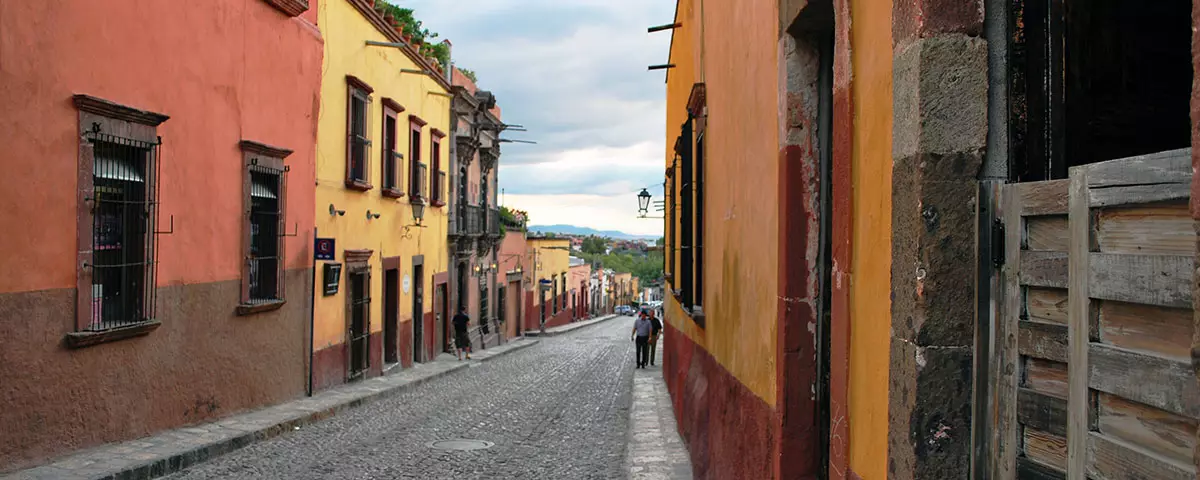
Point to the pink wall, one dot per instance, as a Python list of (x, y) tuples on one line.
[(214, 67)]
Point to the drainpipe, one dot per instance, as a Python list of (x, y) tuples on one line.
[(312, 316)]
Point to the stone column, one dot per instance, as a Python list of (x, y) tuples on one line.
[(939, 133)]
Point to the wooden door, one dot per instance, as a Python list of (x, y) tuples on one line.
[(1093, 344)]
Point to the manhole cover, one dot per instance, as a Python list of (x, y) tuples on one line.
[(461, 445)]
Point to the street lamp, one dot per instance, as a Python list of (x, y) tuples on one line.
[(643, 202)]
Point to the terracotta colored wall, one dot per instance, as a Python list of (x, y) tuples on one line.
[(231, 74), (224, 71), (741, 270), (346, 30), (870, 270)]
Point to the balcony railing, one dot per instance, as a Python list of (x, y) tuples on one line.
[(419, 183), (438, 197), (493, 222), (470, 220)]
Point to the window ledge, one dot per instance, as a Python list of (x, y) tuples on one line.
[(87, 339), (253, 308), (392, 193), (291, 7), (438, 203), (358, 185)]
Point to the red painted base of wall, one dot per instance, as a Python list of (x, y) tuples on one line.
[(406, 346), (432, 345), (329, 367), (728, 430), (559, 319)]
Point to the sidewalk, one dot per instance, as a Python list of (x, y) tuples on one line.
[(655, 451), (175, 450), (570, 327)]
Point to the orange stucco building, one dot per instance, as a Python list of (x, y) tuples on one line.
[(836, 246), (159, 258)]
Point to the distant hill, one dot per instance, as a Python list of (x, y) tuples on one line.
[(574, 230)]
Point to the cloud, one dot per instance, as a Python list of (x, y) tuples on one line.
[(574, 74)]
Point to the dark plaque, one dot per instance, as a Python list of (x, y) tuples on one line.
[(333, 274)]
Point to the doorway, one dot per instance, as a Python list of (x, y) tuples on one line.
[(418, 316), (391, 315), (359, 325), (441, 303)]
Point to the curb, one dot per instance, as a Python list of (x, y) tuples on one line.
[(573, 327), (199, 448)]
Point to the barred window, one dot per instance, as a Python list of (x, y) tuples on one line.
[(437, 194), (123, 214), (117, 214), (417, 169), (358, 144), (265, 192), (392, 159)]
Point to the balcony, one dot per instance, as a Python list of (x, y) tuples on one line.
[(493, 222)]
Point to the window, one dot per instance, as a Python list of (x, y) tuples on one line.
[(670, 247), (358, 145), (391, 159), (264, 190), (554, 296), (417, 169), (483, 300), (438, 193), (117, 217), (684, 282)]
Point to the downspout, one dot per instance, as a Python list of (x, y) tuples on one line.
[(312, 317)]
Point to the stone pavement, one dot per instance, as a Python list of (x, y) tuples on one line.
[(570, 327), (655, 451), (175, 450)]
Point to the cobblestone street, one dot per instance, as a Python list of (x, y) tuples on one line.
[(559, 409)]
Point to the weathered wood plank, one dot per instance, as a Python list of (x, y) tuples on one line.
[(1007, 375), (1155, 381), (1044, 269), (1170, 166), (1047, 448), (1078, 316), (1163, 229), (1155, 430), (1032, 470), (1047, 233), (1047, 304), (1139, 194), (1042, 198), (1043, 340), (1046, 376), (1160, 330), (1043, 412), (1114, 459), (1164, 280)]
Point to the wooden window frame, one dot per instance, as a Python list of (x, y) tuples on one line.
[(389, 154), (96, 114), (685, 282), (416, 193), (255, 153), (698, 109), (358, 90), (437, 192)]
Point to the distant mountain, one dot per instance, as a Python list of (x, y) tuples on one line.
[(574, 230)]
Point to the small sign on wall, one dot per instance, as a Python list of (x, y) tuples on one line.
[(333, 276), (323, 249)]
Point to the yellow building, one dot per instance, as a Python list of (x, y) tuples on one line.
[(551, 263), (382, 152)]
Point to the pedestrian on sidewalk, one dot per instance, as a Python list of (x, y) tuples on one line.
[(641, 335), (656, 327), (461, 339)]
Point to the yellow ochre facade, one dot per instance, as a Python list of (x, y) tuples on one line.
[(391, 240)]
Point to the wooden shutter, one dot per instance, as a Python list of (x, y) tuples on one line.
[(1093, 344)]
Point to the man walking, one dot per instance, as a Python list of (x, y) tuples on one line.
[(461, 340), (641, 333), (656, 327)]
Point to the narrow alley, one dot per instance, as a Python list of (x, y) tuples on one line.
[(559, 409)]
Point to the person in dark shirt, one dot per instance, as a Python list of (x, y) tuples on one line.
[(461, 340)]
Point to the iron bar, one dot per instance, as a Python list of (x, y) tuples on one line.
[(670, 26)]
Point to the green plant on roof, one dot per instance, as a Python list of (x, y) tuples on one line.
[(415, 29), (469, 74)]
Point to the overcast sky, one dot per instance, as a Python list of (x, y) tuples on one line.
[(573, 72)]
